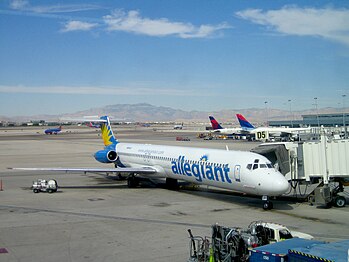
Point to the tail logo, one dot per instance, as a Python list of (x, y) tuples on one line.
[(214, 123), (244, 123), (107, 133)]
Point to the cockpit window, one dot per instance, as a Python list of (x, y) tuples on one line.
[(257, 165)]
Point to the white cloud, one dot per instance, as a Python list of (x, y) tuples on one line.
[(19, 4), (329, 23), (24, 5), (134, 23), (78, 26), (118, 20), (90, 90)]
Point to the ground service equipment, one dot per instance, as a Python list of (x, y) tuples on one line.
[(42, 185), (233, 243)]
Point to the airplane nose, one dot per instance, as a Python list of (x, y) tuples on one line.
[(280, 185)]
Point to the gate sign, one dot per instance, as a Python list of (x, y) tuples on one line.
[(262, 135)]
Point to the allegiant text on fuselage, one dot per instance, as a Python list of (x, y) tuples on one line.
[(201, 170)]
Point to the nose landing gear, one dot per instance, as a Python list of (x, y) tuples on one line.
[(267, 204)]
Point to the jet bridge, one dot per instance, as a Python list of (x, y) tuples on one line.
[(316, 169)]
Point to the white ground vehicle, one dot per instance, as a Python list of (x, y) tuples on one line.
[(268, 232), (42, 185)]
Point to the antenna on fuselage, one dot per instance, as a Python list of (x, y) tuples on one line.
[(226, 147)]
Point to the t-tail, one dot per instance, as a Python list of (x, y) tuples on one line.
[(244, 123), (107, 133), (214, 123), (108, 154)]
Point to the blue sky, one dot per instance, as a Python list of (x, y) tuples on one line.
[(64, 56)]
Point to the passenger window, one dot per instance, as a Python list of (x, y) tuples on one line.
[(249, 166), (255, 166)]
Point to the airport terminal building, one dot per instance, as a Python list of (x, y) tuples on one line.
[(328, 120)]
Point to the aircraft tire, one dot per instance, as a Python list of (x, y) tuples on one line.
[(172, 184), (267, 205), (36, 190), (132, 182)]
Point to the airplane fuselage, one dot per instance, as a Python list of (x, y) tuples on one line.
[(52, 131), (235, 170), (279, 131)]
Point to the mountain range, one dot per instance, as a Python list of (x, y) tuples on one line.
[(144, 112)]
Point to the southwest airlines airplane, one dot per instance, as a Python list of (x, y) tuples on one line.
[(52, 131), (240, 171)]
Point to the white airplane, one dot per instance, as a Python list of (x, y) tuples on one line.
[(178, 126), (247, 127), (240, 171), (217, 128)]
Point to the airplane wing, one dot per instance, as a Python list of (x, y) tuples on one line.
[(119, 170)]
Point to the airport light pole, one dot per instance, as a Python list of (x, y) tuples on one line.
[(289, 101), (344, 125), (317, 114), (266, 111)]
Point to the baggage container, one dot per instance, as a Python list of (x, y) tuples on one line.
[(330, 252), (278, 252)]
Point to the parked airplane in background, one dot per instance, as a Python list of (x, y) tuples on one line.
[(274, 131), (93, 125), (217, 128), (240, 171), (178, 126), (52, 131)]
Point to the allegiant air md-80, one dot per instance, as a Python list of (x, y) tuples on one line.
[(241, 171)]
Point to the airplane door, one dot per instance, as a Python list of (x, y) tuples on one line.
[(237, 169), (147, 157)]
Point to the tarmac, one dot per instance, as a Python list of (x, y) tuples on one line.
[(98, 218)]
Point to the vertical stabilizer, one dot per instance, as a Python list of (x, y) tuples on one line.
[(244, 123), (214, 123), (107, 132)]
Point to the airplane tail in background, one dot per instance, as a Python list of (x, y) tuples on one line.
[(214, 123), (107, 132), (244, 123)]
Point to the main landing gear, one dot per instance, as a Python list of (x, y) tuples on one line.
[(172, 184), (267, 204), (132, 181)]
